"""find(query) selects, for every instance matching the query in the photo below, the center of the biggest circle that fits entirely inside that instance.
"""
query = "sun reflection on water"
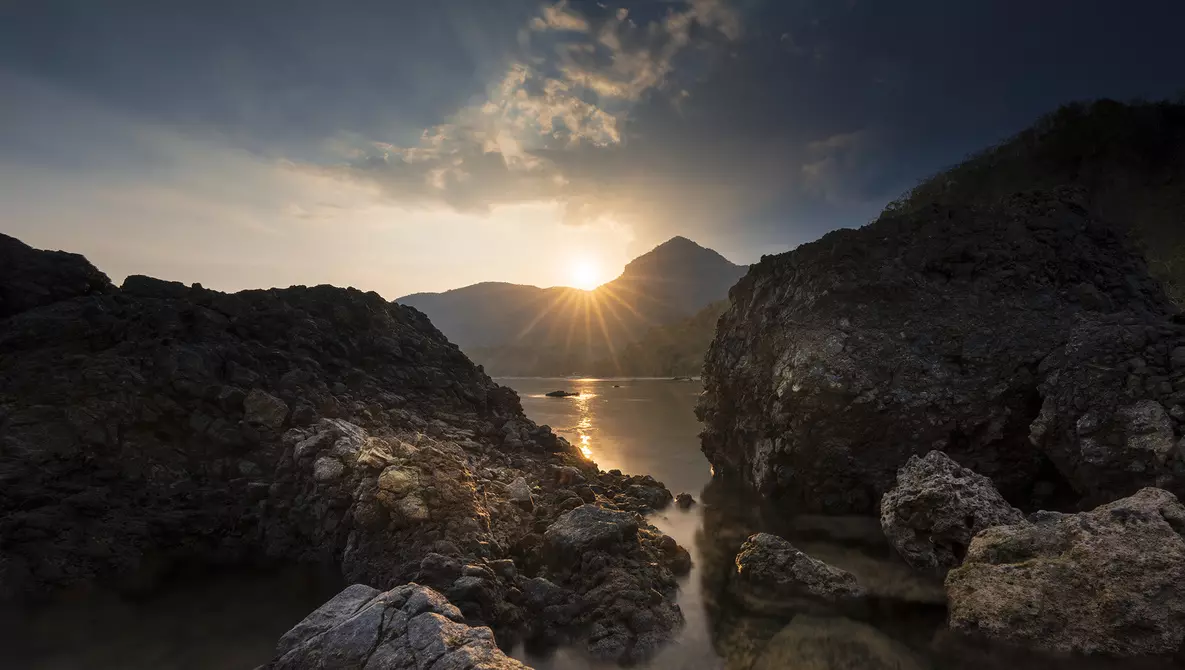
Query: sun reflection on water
(584, 426)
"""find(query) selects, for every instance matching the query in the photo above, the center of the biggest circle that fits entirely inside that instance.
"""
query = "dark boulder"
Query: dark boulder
(924, 330)
(774, 577)
(936, 508)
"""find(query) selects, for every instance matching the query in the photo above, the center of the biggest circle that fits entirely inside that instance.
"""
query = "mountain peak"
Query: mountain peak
(677, 255)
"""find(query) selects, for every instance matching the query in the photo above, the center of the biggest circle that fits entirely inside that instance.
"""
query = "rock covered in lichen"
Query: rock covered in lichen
(1110, 581)
(935, 509)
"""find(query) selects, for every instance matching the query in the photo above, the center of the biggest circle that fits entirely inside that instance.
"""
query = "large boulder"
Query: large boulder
(936, 508)
(32, 278)
(772, 576)
(407, 627)
(923, 330)
(1110, 581)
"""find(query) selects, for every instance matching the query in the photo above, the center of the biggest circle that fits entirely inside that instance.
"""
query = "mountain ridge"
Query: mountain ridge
(515, 329)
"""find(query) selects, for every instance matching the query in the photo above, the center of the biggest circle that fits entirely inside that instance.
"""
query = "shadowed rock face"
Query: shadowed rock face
(31, 278)
(936, 508)
(924, 330)
(1110, 581)
(1113, 413)
(158, 424)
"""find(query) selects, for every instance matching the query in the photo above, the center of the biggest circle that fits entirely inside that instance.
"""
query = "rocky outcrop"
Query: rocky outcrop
(772, 576)
(936, 508)
(32, 278)
(924, 330)
(1110, 581)
(158, 424)
(407, 627)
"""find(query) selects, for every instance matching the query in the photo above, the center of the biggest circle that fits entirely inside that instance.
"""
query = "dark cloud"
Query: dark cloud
(744, 123)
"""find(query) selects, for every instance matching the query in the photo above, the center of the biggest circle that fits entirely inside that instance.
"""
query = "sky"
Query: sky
(403, 146)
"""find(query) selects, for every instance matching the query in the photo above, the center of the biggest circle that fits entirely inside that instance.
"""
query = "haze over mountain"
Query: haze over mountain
(515, 329)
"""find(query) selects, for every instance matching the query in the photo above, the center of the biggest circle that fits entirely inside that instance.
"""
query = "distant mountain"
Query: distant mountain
(514, 329)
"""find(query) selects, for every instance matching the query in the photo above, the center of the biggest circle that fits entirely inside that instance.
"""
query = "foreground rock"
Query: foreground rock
(1110, 581)
(811, 643)
(159, 424)
(936, 508)
(923, 330)
(774, 577)
(406, 627)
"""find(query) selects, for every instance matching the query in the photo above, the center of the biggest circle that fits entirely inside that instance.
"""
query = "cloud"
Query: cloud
(559, 17)
(572, 90)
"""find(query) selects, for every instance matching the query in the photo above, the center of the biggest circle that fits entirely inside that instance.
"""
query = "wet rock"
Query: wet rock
(589, 527)
(812, 643)
(936, 508)
(772, 576)
(561, 394)
(1110, 581)
(410, 626)
(923, 330)
(684, 501)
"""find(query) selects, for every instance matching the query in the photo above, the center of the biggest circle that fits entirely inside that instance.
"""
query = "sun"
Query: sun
(584, 273)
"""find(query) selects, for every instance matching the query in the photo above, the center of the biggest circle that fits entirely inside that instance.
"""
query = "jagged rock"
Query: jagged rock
(936, 508)
(923, 330)
(1107, 417)
(812, 643)
(147, 424)
(410, 626)
(772, 576)
(1110, 581)
(684, 501)
(589, 527)
(33, 278)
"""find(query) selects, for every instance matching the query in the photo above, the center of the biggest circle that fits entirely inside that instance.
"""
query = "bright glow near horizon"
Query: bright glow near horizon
(585, 273)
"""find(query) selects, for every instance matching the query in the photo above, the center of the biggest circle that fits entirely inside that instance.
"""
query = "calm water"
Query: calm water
(642, 426)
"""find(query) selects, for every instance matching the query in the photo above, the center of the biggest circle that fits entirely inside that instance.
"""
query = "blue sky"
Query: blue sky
(405, 146)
